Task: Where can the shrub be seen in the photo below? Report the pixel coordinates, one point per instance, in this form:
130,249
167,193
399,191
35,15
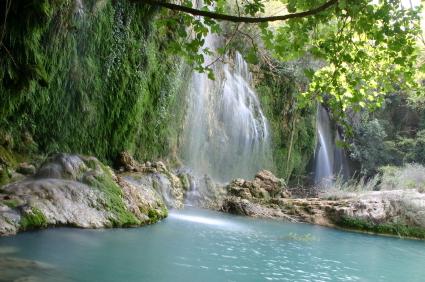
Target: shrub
409,176
340,188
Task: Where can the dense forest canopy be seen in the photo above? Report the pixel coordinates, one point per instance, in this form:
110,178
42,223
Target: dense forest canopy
367,48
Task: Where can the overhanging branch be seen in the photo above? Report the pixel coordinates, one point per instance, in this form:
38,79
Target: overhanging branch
237,19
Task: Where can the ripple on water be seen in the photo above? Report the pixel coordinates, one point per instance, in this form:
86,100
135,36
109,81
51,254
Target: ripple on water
205,246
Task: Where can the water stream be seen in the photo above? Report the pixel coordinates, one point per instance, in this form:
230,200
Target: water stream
330,159
199,245
226,133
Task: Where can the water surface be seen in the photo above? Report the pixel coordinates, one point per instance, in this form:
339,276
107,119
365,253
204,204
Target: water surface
199,245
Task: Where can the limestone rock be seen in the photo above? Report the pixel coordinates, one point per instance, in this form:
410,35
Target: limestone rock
203,192
160,166
126,161
273,185
26,169
236,205
397,212
165,185
76,191
264,186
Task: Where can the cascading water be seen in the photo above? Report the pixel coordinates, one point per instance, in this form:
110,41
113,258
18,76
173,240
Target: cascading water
330,159
226,133
324,152
79,8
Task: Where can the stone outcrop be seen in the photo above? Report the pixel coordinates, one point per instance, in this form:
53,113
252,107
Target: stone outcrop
398,212
163,182
26,169
201,191
80,191
257,197
264,186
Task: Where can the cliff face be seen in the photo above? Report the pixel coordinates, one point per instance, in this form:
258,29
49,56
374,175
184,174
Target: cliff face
293,130
94,77
88,77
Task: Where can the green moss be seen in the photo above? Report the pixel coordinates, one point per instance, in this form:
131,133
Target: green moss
293,131
4,176
96,84
7,157
398,229
12,203
156,215
184,180
33,219
114,200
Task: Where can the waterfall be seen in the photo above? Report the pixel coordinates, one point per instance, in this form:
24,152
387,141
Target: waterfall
226,133
324,153
79,8
330,160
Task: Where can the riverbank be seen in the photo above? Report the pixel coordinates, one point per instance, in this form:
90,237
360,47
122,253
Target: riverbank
80,191
398,212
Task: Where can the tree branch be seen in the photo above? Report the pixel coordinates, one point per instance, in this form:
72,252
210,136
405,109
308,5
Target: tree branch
237,19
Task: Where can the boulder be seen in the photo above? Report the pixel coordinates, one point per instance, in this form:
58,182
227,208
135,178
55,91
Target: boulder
76,191
127,162
202,191
26,169
264,186
236,205
273,185
165,185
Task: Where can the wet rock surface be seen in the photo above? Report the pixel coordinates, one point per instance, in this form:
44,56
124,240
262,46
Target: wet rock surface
26,169
398,212
264,186
201,190
79,191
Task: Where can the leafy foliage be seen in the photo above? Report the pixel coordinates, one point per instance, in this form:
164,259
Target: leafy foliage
410,176
368,147
393,135
292,129
367,47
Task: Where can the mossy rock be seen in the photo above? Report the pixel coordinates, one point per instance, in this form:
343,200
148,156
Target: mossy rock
7,157
184,179
114,198
32,219
75,92
156,215
390,228
11,203
4,175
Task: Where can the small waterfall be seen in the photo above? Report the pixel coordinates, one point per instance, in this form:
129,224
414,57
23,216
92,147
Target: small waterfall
324,151
226,133
79,8
330,159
